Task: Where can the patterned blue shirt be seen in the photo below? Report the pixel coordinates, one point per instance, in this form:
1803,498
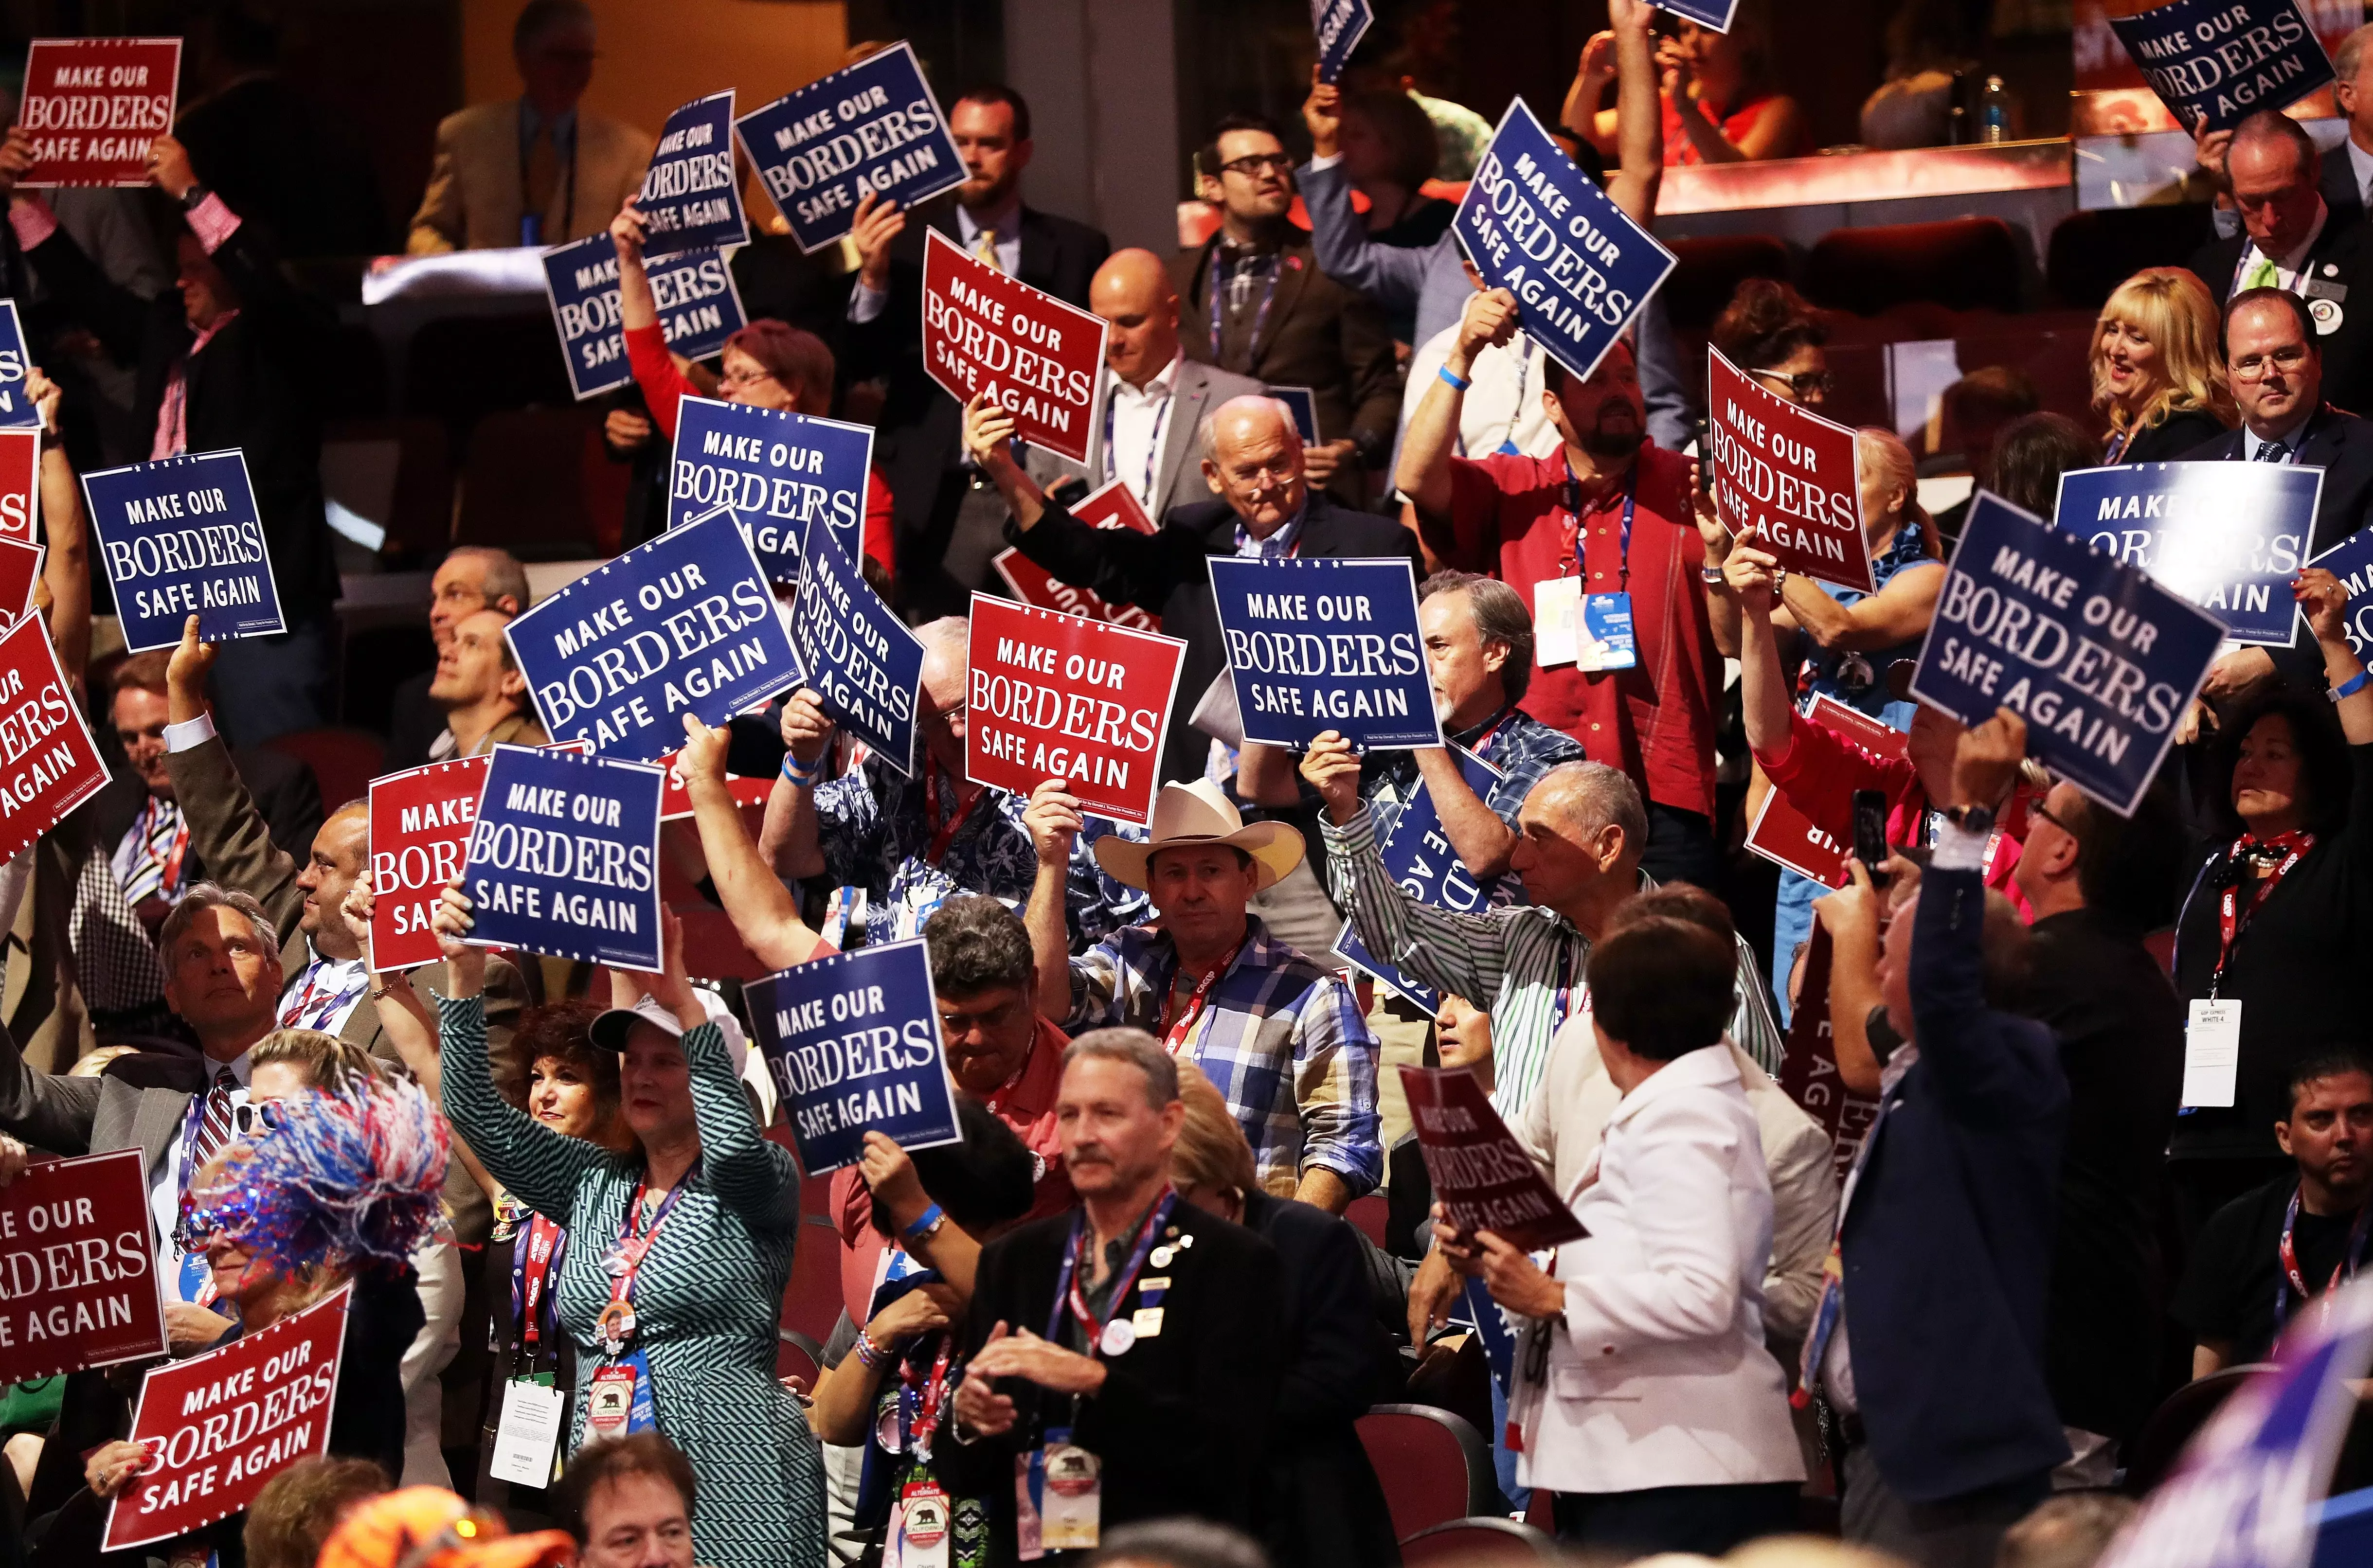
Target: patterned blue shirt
1280,1038
875,826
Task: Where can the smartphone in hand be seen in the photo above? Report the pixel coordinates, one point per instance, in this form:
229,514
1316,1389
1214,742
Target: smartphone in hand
1870,832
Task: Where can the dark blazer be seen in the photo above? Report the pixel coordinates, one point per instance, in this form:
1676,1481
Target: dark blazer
1319,1503
2340,268
1947,1242
2342,445
1320,335
919,438
1182,1419
2337,181
414,723
1166,572
283,790
256,386
2174,436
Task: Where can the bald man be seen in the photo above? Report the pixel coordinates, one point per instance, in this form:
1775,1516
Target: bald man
1155,397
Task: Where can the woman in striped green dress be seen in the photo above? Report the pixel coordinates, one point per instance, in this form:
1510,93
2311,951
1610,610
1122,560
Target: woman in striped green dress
706,1293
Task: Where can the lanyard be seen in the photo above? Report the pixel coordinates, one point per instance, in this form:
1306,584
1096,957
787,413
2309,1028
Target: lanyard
1481,745
928,1402
633,1249
1153,446
2231,919
533,1261
1573,559
1174,1037
1524,352
1260,318
2117,446
2292,1281
1565,987
1067,1286
967,797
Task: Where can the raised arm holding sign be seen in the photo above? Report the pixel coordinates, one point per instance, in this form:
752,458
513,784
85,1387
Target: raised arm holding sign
563,857
691,197
872,129
182,535
94,105
853,1040
2215,62
1328,644
1784,477
1058,696
862,660
993,337
694,298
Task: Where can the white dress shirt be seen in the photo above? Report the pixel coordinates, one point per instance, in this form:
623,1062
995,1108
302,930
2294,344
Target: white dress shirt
2287,268
179,1277
1139,420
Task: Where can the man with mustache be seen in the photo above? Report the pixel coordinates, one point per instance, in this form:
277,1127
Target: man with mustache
1601,539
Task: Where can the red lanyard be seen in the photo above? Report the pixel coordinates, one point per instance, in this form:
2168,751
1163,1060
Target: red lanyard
1067,1288
543,1239
2231,919
633,1249
2291,1275
934,1394
1174,1037
967,797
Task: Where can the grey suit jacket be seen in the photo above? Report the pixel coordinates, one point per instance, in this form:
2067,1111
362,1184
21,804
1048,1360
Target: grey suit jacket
138,1104
1197,389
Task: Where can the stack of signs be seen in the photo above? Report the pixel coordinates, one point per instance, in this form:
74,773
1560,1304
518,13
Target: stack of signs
698,303
2212,62
1109,505
683,624
2230,537
94,107
1784,833
778,472
1784,479
1326,645
853,1041
563,858
870,130
219,1425
1056,696
990,335
420,822
862,662
49,763
2351,560
1339,26
690,200
1808,1069
1537,227
2100,661
1419,856
17,410
181,537
1482,1177
79,1267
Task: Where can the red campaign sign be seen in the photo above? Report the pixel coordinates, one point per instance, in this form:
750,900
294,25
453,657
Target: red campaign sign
20,574
21,484
1109,507
985,334
419,825
1060,696
1481,1175
219,1425
49,763
1781,832
676,805
77,1275
94,105
1808,1073
1783,478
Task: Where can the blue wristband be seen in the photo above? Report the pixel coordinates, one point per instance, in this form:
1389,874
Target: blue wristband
2352,686
923,1223
805,777
1451,380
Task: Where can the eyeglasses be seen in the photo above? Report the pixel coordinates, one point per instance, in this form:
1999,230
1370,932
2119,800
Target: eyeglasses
2253,366
988,1020
948,716
2051,817
744,377
1254,163
1804,384
257,1116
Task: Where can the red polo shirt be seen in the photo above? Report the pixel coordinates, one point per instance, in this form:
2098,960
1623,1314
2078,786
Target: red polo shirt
1656,720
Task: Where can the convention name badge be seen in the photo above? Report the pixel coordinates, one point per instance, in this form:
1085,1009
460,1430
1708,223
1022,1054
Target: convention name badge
2212,1051
919,1524
527,1436
1057,1497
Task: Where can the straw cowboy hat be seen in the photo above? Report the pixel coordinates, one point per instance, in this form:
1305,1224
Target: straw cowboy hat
1199,814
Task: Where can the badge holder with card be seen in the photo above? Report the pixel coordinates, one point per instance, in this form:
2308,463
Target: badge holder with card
1590,632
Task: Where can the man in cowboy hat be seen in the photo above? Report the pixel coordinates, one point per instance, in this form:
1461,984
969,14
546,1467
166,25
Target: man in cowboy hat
1280,1036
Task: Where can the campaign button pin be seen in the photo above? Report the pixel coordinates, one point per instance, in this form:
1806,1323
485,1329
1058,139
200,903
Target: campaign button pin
1161,1256
1117,1337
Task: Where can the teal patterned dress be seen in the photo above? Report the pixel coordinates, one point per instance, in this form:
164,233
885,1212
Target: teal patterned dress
705,1299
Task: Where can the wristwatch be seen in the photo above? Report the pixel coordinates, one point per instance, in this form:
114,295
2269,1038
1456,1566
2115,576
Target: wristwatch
192,196
1711,576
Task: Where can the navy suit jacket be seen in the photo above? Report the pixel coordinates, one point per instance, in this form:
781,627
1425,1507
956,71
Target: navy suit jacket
1947,1241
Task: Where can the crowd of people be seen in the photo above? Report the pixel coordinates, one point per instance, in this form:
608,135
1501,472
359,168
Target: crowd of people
1125,1314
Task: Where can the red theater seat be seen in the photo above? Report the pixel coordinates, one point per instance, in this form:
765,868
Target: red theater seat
1433,1465
1709,269
1486,1541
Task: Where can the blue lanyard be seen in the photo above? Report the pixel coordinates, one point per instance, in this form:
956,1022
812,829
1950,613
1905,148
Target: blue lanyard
1065,1292
2117,446
1260,318
1623,546
2288,1278
1152,446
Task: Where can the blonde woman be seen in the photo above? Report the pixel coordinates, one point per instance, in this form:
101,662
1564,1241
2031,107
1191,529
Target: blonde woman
2157,373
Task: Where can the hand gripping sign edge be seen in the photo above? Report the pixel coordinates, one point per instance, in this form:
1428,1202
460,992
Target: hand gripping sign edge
950,161
646,901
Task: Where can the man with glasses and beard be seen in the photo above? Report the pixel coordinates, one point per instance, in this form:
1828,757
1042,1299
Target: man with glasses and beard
1601,539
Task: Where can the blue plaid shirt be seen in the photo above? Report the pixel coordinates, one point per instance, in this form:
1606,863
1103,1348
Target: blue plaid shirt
875,826
1522,748
1282,1039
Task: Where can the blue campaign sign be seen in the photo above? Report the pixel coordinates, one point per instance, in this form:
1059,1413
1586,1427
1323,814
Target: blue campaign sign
698,303
853,1041
1321,644
563,857
1535,224
683,624
1419,856
17,410
2215,62
2351,560
1338,25
780,472
1304,404
871,129
859,656
1714,14
181,538
2099,661
2230,537
690,199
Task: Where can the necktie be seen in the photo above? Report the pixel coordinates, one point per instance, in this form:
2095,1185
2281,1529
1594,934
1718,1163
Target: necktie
159,865
983,250
213,1125
2263,274
2271,452
543,176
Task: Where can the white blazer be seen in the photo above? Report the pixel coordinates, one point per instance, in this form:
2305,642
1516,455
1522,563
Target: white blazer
1656,1373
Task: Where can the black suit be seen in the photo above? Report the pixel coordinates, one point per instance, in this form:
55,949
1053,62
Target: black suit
2342,445
918,440
1181,1422
2339,285
1167,573
283,788
2337,181
2173,437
